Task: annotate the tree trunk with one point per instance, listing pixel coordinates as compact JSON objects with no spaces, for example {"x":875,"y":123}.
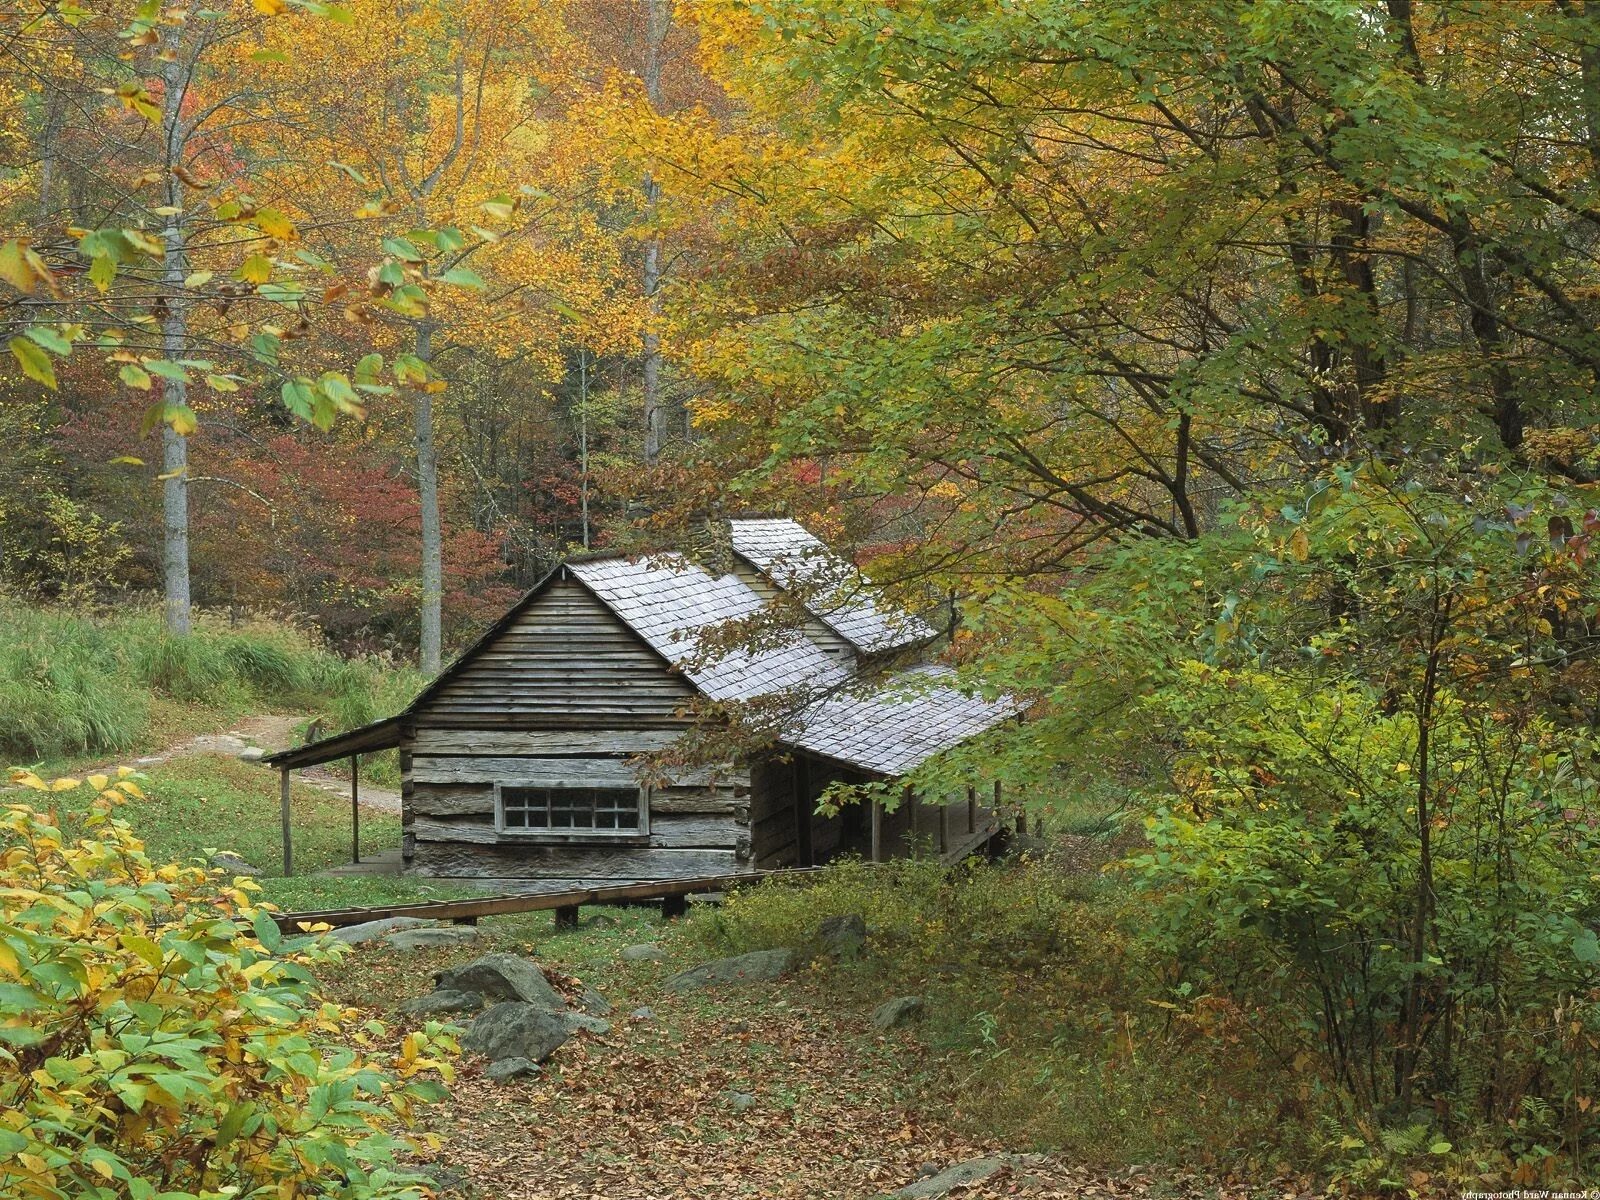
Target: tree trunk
{"x":658,"y":18}
{"x":174,"y":344}
{"x":432,"y":616}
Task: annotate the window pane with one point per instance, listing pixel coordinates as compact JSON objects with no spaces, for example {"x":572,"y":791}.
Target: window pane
{"x":564,"y":809}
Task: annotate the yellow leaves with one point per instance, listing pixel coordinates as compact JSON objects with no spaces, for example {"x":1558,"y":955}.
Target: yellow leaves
{"x":1300,"y":544}
{"x":270,"y":8}
{"x":22,"y":268}
{"x":9,"y":965}
{"x":35,"y":363}
{"x":256,"y":269}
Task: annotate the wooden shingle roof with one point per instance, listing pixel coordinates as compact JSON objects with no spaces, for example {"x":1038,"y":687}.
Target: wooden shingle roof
{"x":885,"y":727}
{"x":830,"y":586}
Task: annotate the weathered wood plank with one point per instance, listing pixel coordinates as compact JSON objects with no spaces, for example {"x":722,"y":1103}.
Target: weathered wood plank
{"x":451,"y":799}
{"x":535,"y":861}
{"x":696,"y":832}
{"x":599,"y":771}
{"x":542,"y":742}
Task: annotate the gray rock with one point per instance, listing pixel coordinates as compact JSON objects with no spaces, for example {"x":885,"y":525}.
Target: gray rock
{"x":738,"y":1027}
{"x":843,"y":937}
{"x":961,"y":1175}
{"x":508,"y":1069}
{"x":739,"y":1102}
{"x":442,"y":1002}
{"x":427,"y":938}
{"x":501,"y":977}
{"x":577,"y":1021}
{"x":892,"y":1014}
{"x":644,"y":952}
{"x":227,"y":860}
{"x":759,"y":966}
{"x":252,"y":754}
{"x":593,"y":1002}
{"x":355,"y":935}
{"x":642,"y":1013}
{"x":513,"y":1029}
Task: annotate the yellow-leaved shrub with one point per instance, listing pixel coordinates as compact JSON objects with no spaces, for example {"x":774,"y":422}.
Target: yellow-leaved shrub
{"x":159,"y":1039}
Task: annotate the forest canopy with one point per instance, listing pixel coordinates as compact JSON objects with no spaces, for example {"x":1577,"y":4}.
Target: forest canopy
{"x":1224,"y":374}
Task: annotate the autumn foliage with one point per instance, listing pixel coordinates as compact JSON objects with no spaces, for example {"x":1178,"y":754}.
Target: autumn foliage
{"x":159,"y":1039}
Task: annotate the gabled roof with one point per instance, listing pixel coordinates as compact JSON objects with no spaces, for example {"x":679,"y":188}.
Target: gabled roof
{"x":670,"y":602}
{"x":882,"y":727}
{"x":885,"y":727}
{"x":828,"y":585}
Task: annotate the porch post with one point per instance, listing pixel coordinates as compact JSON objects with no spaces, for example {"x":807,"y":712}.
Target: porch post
{"x":283,"y":807}
{"x":355,"y":808}
{"x":877,"y":830}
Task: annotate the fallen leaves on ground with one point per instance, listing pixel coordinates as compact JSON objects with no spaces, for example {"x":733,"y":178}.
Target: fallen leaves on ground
{"x":644,"y":1113}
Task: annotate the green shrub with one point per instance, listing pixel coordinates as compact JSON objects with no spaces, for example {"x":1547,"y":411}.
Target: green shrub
{"x":159,"y":1039}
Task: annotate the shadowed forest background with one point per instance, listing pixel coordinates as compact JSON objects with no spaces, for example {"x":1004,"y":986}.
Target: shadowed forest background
{"x":1223,"y":375}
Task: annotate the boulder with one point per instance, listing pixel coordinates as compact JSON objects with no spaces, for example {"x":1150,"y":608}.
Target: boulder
{"x":583,"y":1021}
{"x":961,"y":1175}
{"x":252,"y":754}
{"x":427,"y":937}
{"x":642,"y":1013}
{"x":892,"y":1014}
{"x":508,"y":1069}
{"x":739,"y":1102}
{"x":843,"y":937}
{"x":514,"y":1029}
{"x":355,"y":935}
{"x":593,"y":1002}
{"x":644,"y":952}
{"x":227,"y":860}
{"x":442,"y":1002}
{"x":501,"y":977}
{"x":759,"y":966}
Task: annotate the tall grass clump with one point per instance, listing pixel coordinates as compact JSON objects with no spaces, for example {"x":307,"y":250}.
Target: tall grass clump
{"x":59,"y":691}
{"x":73,"y":684}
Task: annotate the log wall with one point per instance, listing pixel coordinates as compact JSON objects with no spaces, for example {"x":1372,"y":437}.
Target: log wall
{"x":564,"y":696}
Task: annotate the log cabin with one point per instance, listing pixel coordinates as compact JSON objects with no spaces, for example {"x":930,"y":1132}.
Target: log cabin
{"x":535,"y":759}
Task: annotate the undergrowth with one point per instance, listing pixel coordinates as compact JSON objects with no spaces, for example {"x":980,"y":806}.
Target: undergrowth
{"x":1046,"y":1023}
{"x":73,"y":685}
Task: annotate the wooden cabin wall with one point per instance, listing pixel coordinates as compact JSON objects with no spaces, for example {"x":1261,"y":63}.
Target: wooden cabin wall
{"x":564,"y":695}
{"x":780,"y":791}
{"x":777,"y":841}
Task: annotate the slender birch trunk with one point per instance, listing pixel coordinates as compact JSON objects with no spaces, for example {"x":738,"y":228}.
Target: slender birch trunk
{"x":174,"y":345}
{"x":657,"y":21}
{"x":432,"y":617}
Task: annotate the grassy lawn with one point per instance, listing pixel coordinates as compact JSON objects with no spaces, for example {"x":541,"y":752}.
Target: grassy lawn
{"x":200,"y":803}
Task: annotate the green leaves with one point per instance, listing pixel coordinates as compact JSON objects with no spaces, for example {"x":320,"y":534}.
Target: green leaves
{"x":177,"y":1067}
{"x":35,"y":363}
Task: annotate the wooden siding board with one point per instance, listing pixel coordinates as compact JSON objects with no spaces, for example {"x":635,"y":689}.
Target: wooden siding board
{"x":571,"y":862}
{"x":565,"y":657}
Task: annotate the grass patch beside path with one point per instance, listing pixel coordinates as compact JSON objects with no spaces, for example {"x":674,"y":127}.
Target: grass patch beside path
{"x":198,"y":803}
{"x":73,"y":684}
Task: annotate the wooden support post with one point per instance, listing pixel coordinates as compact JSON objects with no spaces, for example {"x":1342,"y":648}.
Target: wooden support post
{"x":355,"y":808}
{"x":908,"y":802}
{"x":800,"y":776}
{"x":877,"y":831}
{"x":972,"y":810}
{"x":283,"y":806}
{"x":944,"y":829}
{"x":673,"y":907}
{"x":567,"y":916}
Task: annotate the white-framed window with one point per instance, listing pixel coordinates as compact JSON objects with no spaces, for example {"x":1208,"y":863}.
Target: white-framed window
{"x":571,"y":813}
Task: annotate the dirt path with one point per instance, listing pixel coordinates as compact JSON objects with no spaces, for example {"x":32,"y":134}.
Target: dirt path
{"x":765,"y":1092}
{"x":272,"y":732}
